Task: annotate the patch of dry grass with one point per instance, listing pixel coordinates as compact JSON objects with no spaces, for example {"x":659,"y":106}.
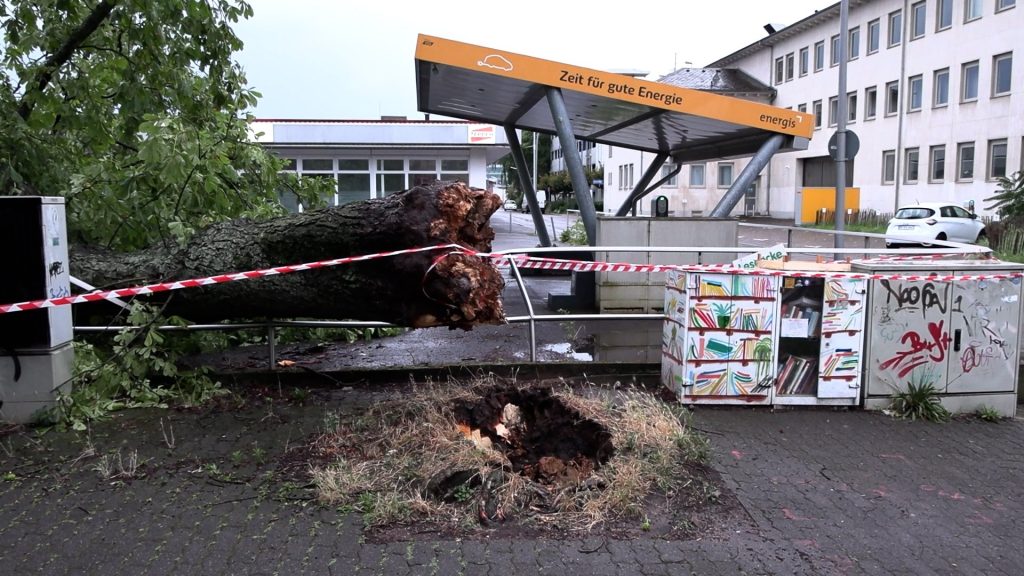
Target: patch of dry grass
{"x":407,"y":459}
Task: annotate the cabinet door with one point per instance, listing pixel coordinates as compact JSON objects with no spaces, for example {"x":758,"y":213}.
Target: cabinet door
{"x":909,"y":335}
{"x":729,"y":339}
{"x":842,"y":338}
{"x":984,"y":332}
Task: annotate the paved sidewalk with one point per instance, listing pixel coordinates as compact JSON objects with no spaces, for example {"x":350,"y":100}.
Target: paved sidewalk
{"x":826,"y":493}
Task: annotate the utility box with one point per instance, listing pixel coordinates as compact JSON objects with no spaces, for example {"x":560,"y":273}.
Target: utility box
{"x":963,"y":337}
{"x":35,"y":346}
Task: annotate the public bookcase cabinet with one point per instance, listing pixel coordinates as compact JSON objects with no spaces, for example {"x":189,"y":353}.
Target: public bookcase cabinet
{"x":780,"y":340}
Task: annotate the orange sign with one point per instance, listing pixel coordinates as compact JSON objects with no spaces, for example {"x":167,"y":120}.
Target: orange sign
{"x":618,"y":86}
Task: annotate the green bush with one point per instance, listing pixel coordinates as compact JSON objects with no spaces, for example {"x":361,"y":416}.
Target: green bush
{"x":575,"y":234}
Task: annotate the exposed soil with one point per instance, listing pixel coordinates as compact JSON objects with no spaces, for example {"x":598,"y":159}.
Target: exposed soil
{"x":546,"y":441}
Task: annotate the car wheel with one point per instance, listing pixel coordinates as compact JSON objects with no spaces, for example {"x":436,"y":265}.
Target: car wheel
{"x":982,"y":238}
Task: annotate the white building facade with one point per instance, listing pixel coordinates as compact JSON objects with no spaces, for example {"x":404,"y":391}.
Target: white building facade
{"x":374,"y":158}
{"x":934,"y":97}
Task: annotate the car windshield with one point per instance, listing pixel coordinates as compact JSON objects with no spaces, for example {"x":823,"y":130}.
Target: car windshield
{"x":914,"y":213}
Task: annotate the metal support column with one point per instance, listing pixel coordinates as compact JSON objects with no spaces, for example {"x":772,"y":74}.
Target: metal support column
{"x":584,"y":200}
{"x":844,"y":32}
{"x":747,"y":176}
{"x":641,"y":188}
{"x":526,"y":182}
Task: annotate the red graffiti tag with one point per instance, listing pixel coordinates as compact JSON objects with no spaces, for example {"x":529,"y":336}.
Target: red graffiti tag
{"x":919,"y":350}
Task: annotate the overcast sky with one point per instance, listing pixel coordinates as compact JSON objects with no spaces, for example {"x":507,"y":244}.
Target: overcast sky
{"x":354,"y":60}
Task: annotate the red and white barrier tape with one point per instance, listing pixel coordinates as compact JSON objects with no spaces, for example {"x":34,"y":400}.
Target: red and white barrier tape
{"x":210,"y":280}
{"x":522,"y":261}
{"x":578,"y":266}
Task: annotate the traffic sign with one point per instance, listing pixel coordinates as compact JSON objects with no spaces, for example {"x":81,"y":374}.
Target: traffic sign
{"x":852,"y":145}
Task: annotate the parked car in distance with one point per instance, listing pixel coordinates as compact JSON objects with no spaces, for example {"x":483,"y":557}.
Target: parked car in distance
{"x":927,"y":221}
{"x":510,"y":204}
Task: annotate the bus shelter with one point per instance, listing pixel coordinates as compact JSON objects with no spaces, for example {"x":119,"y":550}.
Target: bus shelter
{"x":516,"y":91}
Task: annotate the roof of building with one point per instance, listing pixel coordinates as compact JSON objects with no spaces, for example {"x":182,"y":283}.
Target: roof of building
{"x":817,"y":18}
{"x":506,"y":89}
{"x":730,"y":81}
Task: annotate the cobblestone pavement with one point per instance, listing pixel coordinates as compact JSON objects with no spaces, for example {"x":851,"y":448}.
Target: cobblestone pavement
{"x":826,"y":493}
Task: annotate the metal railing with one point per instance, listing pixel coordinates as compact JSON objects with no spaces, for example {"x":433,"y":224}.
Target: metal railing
{"x":532,"y":318}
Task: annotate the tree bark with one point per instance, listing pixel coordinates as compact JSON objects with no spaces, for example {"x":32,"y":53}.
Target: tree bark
{"x":417,"y":290}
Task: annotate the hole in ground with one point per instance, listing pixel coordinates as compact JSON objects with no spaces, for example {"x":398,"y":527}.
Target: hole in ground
{"x":545,"y":440}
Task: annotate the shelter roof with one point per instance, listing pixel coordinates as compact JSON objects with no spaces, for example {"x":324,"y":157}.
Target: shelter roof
{"x":487,"y":85}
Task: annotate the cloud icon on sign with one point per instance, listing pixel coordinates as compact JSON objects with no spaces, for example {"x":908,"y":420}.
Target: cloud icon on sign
{"x":495,"y":61}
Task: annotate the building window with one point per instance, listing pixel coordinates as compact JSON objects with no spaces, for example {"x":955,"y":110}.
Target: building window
{"x":834,"y":58}
{"x":888,"y":166}
{"x":816,"y":108}
{"x":851,"y":107}
{"x":870,"y":102}
{"x":965,"y":161}
{"x":801,"y":107}
{"x":833,"y":110}
{"x":779,"y":70}
{"x":969,"y":82}
{"x":819,"y":56}
{"x":874,"y":28}
{"x":1002,"y":67}
{"x":390,"y":176}
{"x":892,"y":98}
{"x":854,"y":44}
{"x":937,"y":164}
{"x":944,"y":15}
{"x":354,"y":179}
{"x":789,"y":67}
{"x":697,"y":176}
{"x":805,"y":56}
{"x":918,"y":13}
{"x":630,"y":185}
{"x":910,"y":170}
{"x":996,"y":159}
{"x":940,"y":88}
{"x":665,"y":171}
{"x":915,"y":93}
{"x":1005,"y":4}
{"x":724,"y":174}
{"x":895,"y":28}
{"x":972,"y":9}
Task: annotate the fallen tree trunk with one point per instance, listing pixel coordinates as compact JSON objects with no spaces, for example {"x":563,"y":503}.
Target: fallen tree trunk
{"x":417,"y":290}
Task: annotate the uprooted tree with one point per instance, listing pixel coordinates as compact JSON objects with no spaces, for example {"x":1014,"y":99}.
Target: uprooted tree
{"x":444,"y":287}
{"x":134,"y":111}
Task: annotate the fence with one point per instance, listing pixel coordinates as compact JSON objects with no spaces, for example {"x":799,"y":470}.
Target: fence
{"x":865,"y":218}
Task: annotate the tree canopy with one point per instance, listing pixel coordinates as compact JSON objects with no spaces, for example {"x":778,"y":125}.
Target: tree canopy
{"x":135,"y":112}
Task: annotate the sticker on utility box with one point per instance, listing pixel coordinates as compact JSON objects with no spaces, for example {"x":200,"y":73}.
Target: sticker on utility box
{"x":776,"y":252}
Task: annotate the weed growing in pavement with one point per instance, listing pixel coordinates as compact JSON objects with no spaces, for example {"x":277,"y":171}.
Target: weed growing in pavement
{"x":989,"y":414}
{"x":919,"y":401}
{"x":117,"y":467}
{"x":168,"y":434}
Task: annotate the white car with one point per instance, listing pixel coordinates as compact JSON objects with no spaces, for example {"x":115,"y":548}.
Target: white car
{"x":927,"y":221}
{"x":509,"y":205}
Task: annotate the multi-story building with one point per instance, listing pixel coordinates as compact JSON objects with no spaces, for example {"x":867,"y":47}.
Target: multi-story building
{"x":933,"y":96}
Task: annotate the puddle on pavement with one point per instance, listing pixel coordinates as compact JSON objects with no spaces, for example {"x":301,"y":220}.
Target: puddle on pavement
{"x":565,"y":349}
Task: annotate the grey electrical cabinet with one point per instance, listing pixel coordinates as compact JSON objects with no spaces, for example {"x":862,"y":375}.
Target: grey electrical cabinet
{"x":961,"y":337}
{"x":35,"y":346}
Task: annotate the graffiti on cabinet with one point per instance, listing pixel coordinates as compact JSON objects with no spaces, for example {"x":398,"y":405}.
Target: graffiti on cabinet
{"x":910,"y":296}
{"x":917,"y":349}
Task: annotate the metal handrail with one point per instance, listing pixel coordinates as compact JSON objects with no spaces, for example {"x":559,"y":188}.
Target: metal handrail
{"x":532,"y":318}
